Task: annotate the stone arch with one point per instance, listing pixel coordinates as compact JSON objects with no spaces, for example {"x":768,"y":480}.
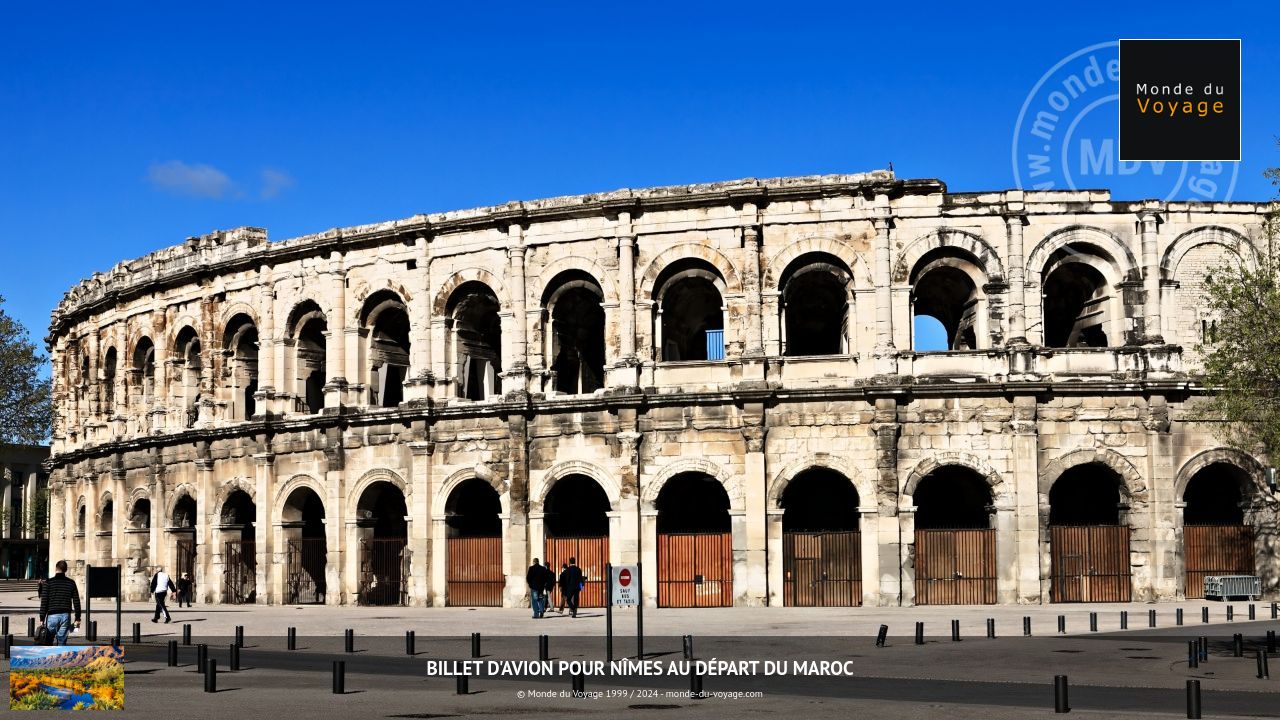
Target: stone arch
{"x":458,"y":477}
{"x":816,"y":244}
{"x":706,"y":253}
{"x":1121,"y":255}
{"x":1205,"y":235}
{"x":239,"y":307}
{"x":465,"y":275}
{"x":105,"y":498}
{"x":1133,"y":486}
{"x":363,"y":291}
{"x":1001,"y":491}
{"x":982,"y":251}
{"x":371,"y":477}
{"x":227,"y":488}
{"x":171,"y":503}
{"x":1242,"y":460}
{"x":176,"y":329}
{"x":300,"y":310}
{"x":814,"y":461}
{"x":560,"y":470}
{"x":286,"y":489}
{"x":731,"y":483}
{"x":572,"y":262}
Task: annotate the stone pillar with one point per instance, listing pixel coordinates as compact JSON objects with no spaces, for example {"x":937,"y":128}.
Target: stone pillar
{"x":341,"y":568}
{"x":756,"y":479}
{"x":628,"y":540}
{"x":1163,"y":517}
{"x":517,"y":362}
{"x":1006,"y":526}
{"x":1024,"y":468}
{"x":270,"y":349}
{"x":869,"y":529}
{"x":1016,"y":305}
{"x":751,"y":286}
{"x":627,"y":293}
{"x":906,"y":554}
{"x":119,"y":520}
{"x":892,"y":535}
{"x":517,"y":536}
{"x":269,"y":578}
{"x":91,"y":551}
{"x":773,"y":554}
{"x":6,"y":501}
{"x":1149,"y":218}
{"x":158,"y":538}
{"x":886,"y":360}
{"x":57,"y":519}
{"x":418,"y":384}
{"x":338,"y":347}
{"x":208,"y":554}
{"x":420,"y":541}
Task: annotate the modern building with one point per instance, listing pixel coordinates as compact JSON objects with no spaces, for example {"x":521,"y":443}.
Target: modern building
{"x":24,"y":512}
{"x":727,"y":382}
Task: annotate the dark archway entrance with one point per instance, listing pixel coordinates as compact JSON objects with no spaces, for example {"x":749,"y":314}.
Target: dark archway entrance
{"x":474,"y":574}
{"x":183,"y":529}
{"x":577,"y":526}
{"x":1088,"y":542}
{"x":239,"y":548}
{"x":306,"y":558}
{"x":955,"y":555}
{"x":1215,"y":538}
{"x":821,"y":545}
{"x":695,"y":543}
{"x":383,"y":530}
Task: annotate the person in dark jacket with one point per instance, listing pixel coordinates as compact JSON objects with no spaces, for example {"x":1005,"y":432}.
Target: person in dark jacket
{"x":185,"y":587}
{"x":563,"y":567}
{"x":571,"y":582}
{"x":161,"y":586}
{"x":537,"y":588}
{"x":61,"y":598}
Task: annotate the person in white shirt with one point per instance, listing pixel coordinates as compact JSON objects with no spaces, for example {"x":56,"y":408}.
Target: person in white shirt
{"x":161,"y":584}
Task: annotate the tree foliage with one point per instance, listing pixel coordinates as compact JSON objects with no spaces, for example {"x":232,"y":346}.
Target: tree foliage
{"x":26,"y":410}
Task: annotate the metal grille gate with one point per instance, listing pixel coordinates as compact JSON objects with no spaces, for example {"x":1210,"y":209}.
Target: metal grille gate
{"x":474,"y":576}
{"x":305,"y":582}
{"x":239,"y":568}
{"x":695,"y":570}
{"x":822,"y":569}
{"x":956,"y":567}
{"x":1090,"y":563}
{"x":384,"y":571}
{"x":1216,"y":550}
{"x":591,"y":553}
{"x":185,"y":562}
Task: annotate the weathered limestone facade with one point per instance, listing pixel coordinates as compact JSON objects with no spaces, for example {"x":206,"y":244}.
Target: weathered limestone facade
{"x":532,"y":342}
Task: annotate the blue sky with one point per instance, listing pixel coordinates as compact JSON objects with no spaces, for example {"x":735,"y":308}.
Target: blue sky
{"x":125,"y":128}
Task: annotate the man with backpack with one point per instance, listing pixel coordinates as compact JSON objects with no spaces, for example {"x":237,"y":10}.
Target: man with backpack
{"x":162,"y":585}
{"x":60,"y":599}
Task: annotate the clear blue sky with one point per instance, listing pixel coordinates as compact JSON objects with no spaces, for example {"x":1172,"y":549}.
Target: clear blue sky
{"x":126,"y":128}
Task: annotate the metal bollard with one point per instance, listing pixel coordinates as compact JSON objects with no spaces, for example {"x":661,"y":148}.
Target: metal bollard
{"x":211,"y":676}
{"x":31,"y":627}
{"x":1093,"y":622}
{"x":1253,"y":612}
{"x":1179,"y":616}
{"x":173,"y":653}
{"x":991,"y":627}
{"x":233,"y":662}
{"x":1193,"y":654}
{"x":186,"y":634}
{"x":1204,"y":649}
{"x":1060,"y":704}
{"x":1263,"y":671}
{"x":1204,"y":614}
{"x":339,"y":677}
{"x":349,"y":640}
{"x":239,"y":636}
{"x":1193,"y":698}
{"x":1124,"y":619}
{"x":92,"y":633}
{"x":202,"y":657}
{"x":410,"y":640}
{"x":4,"y":625}
{"x":1231,"y":613}
{"x":544,"y":647}
{"x":880,"y":636}
{"x":1275,"y":610}
{"x":1062,"y":624}
{"x":1026,"y":625}
{"x":462,"y":685}
{"x":1237,"y":645}
{"x":919,"y":633}
{"x":475,"y":645}
{"x":8,"y":643}
{"x":1271,"y":642}
{"x":955,"y":631}
{"x":688,"y":647}
{"x":293,"y":638}
{"x":579,"y":684}
{"x":695,"y":683}
{"x":1151,"y":618}
{"x":137,"y":633}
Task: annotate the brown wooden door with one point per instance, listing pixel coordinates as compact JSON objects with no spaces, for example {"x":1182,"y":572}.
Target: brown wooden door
{"x":474,"y":576}
{"x":1090,"y":563}
{"x":592,"y":554}
{"x":695,"y":570}
{"x":822,"y":569}
{"x":956,"y":567}
{"x":384,"y":571}
{"x":1216,"y":550}
{"x":239,"y":570}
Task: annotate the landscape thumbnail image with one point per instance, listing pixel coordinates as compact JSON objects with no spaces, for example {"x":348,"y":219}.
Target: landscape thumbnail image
{"x":88,"y":677}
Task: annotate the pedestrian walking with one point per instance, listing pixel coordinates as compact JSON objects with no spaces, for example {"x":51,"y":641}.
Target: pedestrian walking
{"x":185,"y":588}
{"x":563,"y":568}
{"x":536,"y":579}
{"x":161,"y":585}
{"x":572,"y":580}
{"x":548,"y":585}
{"x":61,"y":598}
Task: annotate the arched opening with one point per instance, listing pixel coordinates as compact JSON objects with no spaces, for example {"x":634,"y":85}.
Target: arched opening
{"x":474,"y":574}
{"x":1088,"y":542}
{"x":1216,"y":539}
{"x":183,"y":529}
{"x":816,"y":306}
{"x":945,"y":288}
{"x":574,"y":328}
{"x":1078,"y":300}
{"x":955,"y":553}
{"x":142,"y":374}
{"x":576,"y":518}
{"x":302,"y":522}
{"x":137,"y":535}
{"x":239,"y":548}
{"x":385,"y":321}
{"x":382,"y":529}
{"x":310,"y":330}
{"x":821,"y":545}
{"x":240,"y":343}
{"x":106,"y":526}
{"x":695,"y":543}
{"x":109,"y":363}
{"x":690,"y":305}
{"x":188,"y":368}
{"x":476,"y":332}
{"x":140,"y":517}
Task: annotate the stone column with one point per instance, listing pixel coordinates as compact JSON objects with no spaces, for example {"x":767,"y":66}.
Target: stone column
{"x":270,"y":355}
{"x":518,"y":493}
{"x":517,"y":366}
{"x":57,"y":519}
{"x":751,"y":285}
{"x":886,"y":360}
{"x":269,"y":578}
{"x":1016,"y":306}
{"x":339,"y":348}
{"x":906,"y":554}
{"x":869,"y":529}
{"x":91,"y":551}
{"x":892,"y":535}
{"x":756,"y":480}
{"x":420,"y":379}
{"x":775,"y":573}
{"x":420,"y":540}
{"x":6,"y":501}
{"x":628,"y":540}
{"x":341,"y":568}
{"x":627,"y":293}
{"x":1163,"y":518}
{"x":158,"y":537}
{"x":1006,"y":525}
{"x":1025,"y":479}
{"x":208,"y":576}
{"x":1149,"y":217}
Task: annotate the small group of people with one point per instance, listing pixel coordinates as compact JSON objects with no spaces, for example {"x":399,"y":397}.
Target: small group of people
{"x":162,"y":585}
{"x":542,"y":581}
{"x":60,"y":600}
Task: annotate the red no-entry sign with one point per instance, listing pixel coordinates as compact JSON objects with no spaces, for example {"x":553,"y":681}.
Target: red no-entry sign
{"x":624,"y":577}
{"x":624,"y":591}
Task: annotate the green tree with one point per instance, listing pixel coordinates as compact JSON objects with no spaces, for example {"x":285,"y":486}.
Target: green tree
{"x":26,"y":410}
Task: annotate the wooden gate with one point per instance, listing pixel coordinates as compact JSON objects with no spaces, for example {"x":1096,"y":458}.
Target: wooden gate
{"x":384,"y":571}
{"x":592,"y":553}
{"x":956,"y":567}
{"x":1216,"y":550}
{"x":822,"y":569}
{"x":474,"y":576}
{"x":185,"y":560}
{"x":239,"y":570}
{"x":695,"y":570}
{"x":304,"y":582}
{"x":1090,"y":563}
